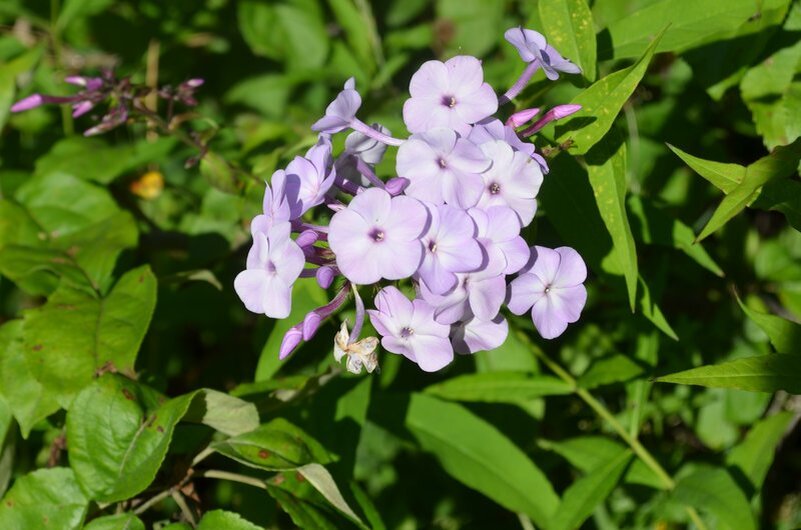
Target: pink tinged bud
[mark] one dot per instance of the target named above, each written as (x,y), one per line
(310,325)
(291,340)
(196,82)
(79,109)
(396,185)
(521,117)
(31,102)
(325,276)
(557,113)
(306,238)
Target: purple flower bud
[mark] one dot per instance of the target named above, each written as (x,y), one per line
(28,103)
(79,109)
(396,185)
(310,324)
(325,276)
(306,238)
(195,83)
(522,116)
(89,83)
(291,340)
(556,113)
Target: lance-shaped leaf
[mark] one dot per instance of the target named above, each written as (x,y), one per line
(46,498)
(714,491)
(742,184)
(499,387)
(601,103)
(76,334)
(570,29)
(765,373)
(477,454)
(754,454)
(784,334)
(118,432)
(606,168)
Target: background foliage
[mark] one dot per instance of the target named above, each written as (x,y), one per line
(136,391)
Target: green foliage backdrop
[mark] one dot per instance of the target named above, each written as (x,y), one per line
(137,392)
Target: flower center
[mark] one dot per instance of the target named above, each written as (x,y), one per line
(432,246)
(270,267)
(547,289)
(449,101)
(494,188)
(406,332)
(442,163)
(377,235)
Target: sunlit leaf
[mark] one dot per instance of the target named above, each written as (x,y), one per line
(766,373)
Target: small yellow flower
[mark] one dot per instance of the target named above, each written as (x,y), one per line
(149,185)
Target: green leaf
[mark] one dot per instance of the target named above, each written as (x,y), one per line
(785,335)
(8,436)
(359,25)
(498,387)
(612,369)
(714,491)
(475,25)
(73,9)
(85,158)
(654,226)
(319,477)
(222,520)
(24,394)
(75,334)
(725,177)
(121,521)
(692,23)
(304,514)
(652,312)
(218,173)
(781,163)
(44,499)
(766,373)
(782,195)
(9,71)
(606,168)
(226,414)
(581,498)
(272,447)
(477,454)
(753,456)
(601,103)
(570,29)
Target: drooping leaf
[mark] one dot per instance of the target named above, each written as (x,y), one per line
(581,498)
(304,514)
(569,28)
(477,454)
(766,373)
(725,177)
(75,334)
(44,499)
(713,490)
(754,455)
(223,520)
(319,477)
(784,334)
(120,521)
(601,103)
(606,168)
(498,387)
(648,307)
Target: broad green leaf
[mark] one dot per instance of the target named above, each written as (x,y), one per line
(218,173)
(692,23)
(601,103)
(784,334)
(25,396)
(303,26)
(588,453)
(74,9)
(476,25)
(606,168)
(753,456)
(75,334)
(357,20)
(581,498)
(319,477)
(612,369)
(477,454)
(781,163)
(9,71)
(725,177)
(222,520)
(272,447)
(498,387)
(306,296)
(85,158)
(121,521)
(44,499)
(714,491)
(570,29)
(654,226)
(766,373)
(304,514)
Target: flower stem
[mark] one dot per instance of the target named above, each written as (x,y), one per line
(635,445)
(520,84)
(368,173)
(233,477)
(360,126)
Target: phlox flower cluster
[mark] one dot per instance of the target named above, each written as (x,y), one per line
(448,222)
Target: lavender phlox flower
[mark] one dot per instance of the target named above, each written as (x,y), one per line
(556,113)
(533,48)
(275,207)
(341,112)
(396,185)
(513,180)
(325,276)
(273,264)
(442,167)
(499,230)
(407,327)
(452,94)
(359,353)
(309,178)
(378,236)
(89,83)
(307,238)
(521,117)
(472,335)
(449,247)
(307,328)
(291,339)
(551,285)
(37,100)
(114,118)
(358,146)
(480,293)
(493,129)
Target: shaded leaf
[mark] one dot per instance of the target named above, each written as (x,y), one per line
(714,491)
(784,334)
(612,369)
(754,455)
(766,373)
(319,477)
(222,520)
(498,387)
(46,498)
(304,514)
(121,521)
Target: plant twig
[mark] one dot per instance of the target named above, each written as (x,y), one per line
(233,477)
(181,502)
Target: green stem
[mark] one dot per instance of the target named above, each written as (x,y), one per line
(55,37)
(234,477)
(635,445)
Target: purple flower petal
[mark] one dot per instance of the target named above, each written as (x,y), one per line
(477,335)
